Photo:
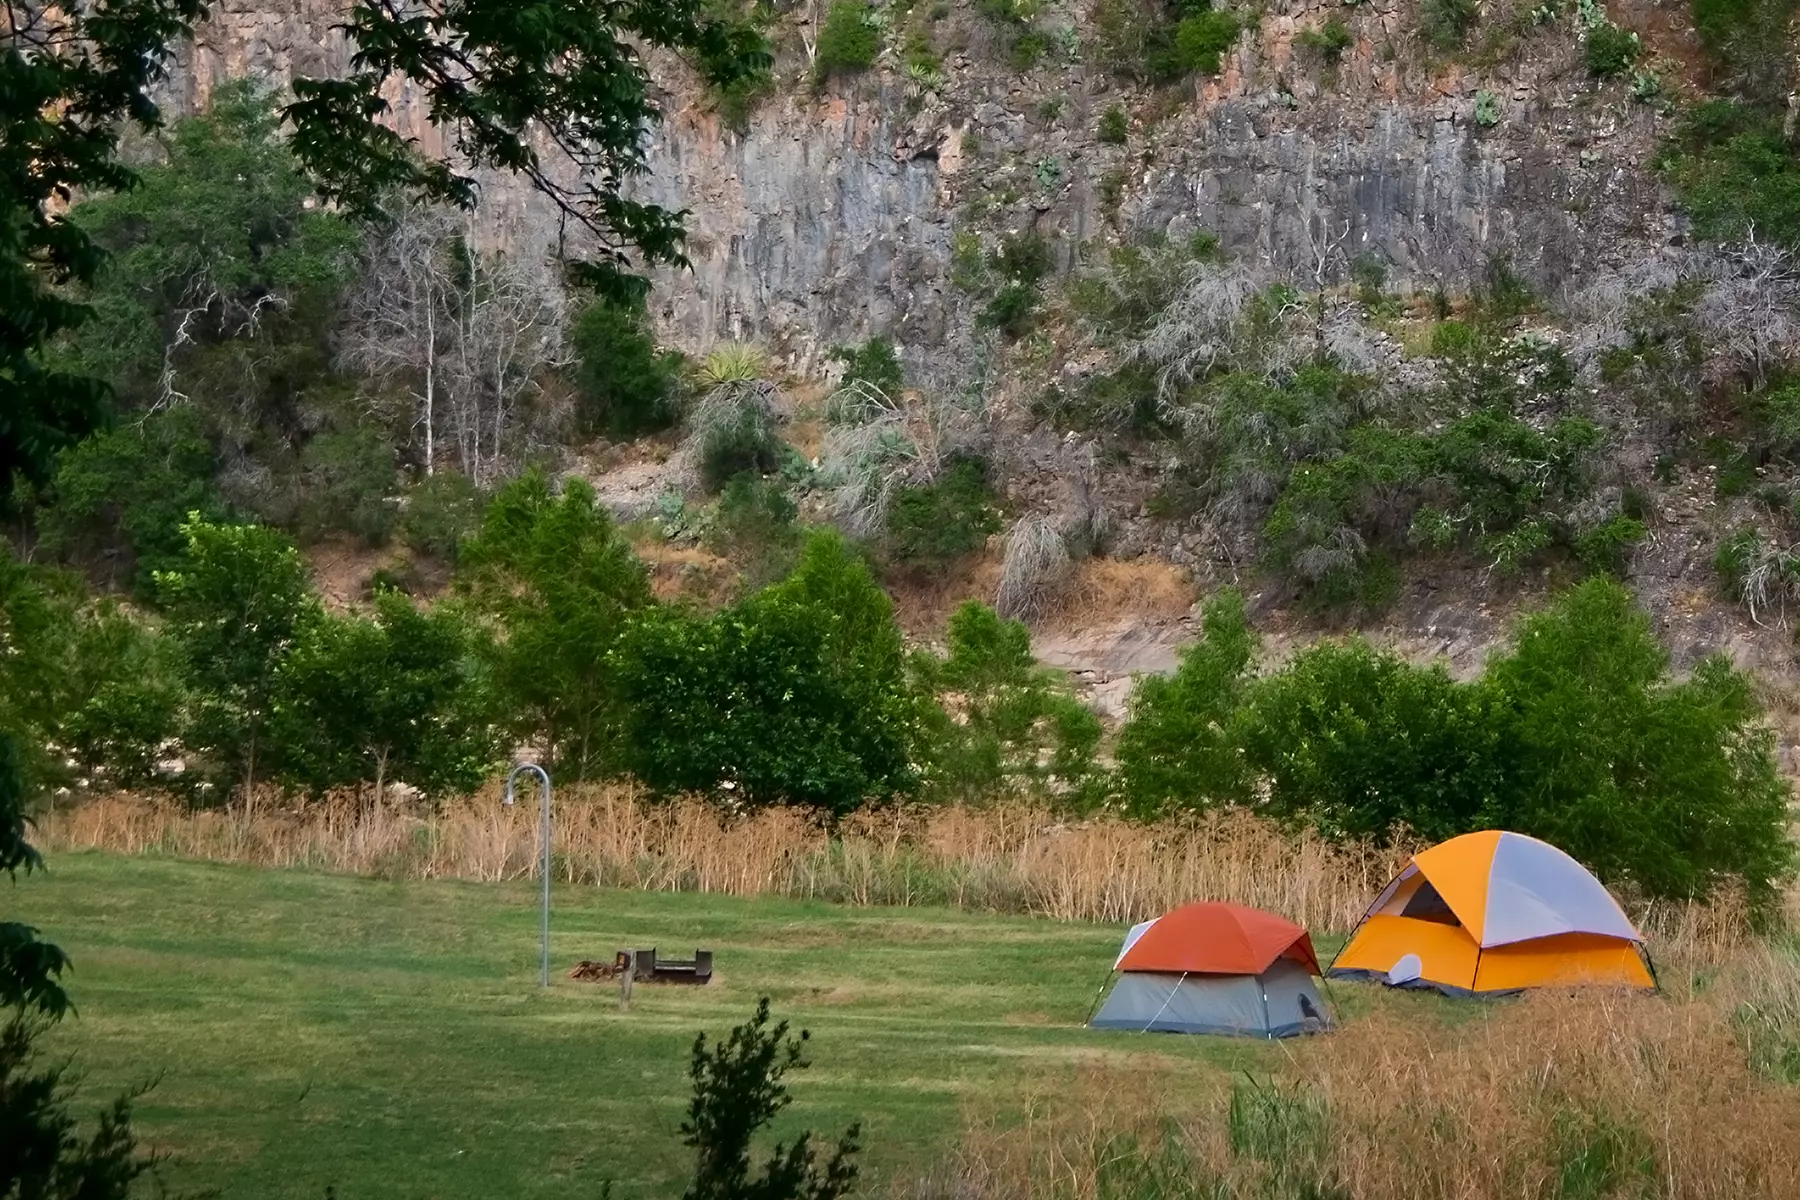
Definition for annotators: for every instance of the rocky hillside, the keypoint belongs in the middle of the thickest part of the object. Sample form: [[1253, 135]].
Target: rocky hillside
[[1398, 175]]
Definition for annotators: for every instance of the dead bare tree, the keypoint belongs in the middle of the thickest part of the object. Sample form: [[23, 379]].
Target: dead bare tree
[[399, 327], [469, 334]]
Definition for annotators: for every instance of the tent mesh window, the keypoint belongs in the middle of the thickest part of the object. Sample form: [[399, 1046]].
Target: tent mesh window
[[1427, 905]]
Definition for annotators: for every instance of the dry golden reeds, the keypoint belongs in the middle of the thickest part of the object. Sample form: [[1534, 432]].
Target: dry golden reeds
[[1008, 858], [1555, 1096]]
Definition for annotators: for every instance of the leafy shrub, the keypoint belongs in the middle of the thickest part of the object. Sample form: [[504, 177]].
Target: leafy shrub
[[1011, 310], [739, 1089], [1734, 172], [441, 510], [1180, 747], [755, 526], [1487, 109], [1610, 49], [952, 515], [1023, 258], [1672, 786], [1029, 46], [626, 387], [795, 695], [396, 695], [874, 363], [1328, 41], [1445, 24], [1115, 126], [122, 495], [348, 486], [1017, 729], [1604, 547], [1197, 43], [1358, 744], [848, 42], [1742, 38]]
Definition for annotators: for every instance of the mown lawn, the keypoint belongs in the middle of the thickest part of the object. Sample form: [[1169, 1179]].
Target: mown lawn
[[390, 1039]]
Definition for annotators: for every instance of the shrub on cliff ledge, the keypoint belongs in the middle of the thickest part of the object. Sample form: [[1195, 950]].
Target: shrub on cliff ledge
[[848, 43]]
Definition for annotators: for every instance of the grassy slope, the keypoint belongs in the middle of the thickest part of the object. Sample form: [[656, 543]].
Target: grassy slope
[[390, 1038]]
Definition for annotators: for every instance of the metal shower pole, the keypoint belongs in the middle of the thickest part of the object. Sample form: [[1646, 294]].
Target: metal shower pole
[[543, 836]]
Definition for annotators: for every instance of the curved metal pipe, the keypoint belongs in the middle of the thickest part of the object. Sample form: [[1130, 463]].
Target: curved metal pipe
[[544, 837]]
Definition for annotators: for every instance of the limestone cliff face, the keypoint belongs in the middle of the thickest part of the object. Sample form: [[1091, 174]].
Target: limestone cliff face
[[831, 219]]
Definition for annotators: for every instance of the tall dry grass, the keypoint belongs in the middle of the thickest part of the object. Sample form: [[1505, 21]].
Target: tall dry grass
[[1557, 1096], [1006, 859]]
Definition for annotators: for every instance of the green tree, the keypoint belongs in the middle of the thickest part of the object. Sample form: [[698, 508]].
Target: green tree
[[235, 606], [398, 694], [1671, 786], [1358, 743], [220, 280], [561, 583], [739, 1088], [1014, 726], [628, 387], [1179, 746], [499, 82], [796, 695], [118, 499]]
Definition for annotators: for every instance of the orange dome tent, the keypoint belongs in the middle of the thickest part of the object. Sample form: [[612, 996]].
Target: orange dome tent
[[1494, 912], [1215, 968]]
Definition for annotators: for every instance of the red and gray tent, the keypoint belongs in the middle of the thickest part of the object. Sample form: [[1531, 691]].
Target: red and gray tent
[[1215, 968]]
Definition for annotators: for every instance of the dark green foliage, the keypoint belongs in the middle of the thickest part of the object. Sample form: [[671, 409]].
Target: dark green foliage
[[221, 281], [1605, 547], [755, 527], [1328, 41], [873, 363], [1115, 126], [952, 515], [848, 43], [1357, 743], [738, 437], [1750, 44], [1180, 749], [396, 695], [1011, 310], [1197, 43], [1610, 49], [1578, 735], [1598, 1157], [235, 605], [1023, 258], [44, 1155], [1670, 785], [1028, 48], [349, 485], [1735, 170], [1139, 282], [1445, 24], [117, 500], [561, 583], [441, 510], [796, 695], [30, 969], [74, 84], [1017, 729], [739, 1089], [627, 386]]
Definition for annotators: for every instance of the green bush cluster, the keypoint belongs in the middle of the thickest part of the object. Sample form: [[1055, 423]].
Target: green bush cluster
[[626, 386], [1579, 734], [1115, 126], [1328, 41], [1195, 44], [1020, 262], [950, 516], [1610, 50], [848, 42], [1445, 24], [1734, 171], [873, 363]]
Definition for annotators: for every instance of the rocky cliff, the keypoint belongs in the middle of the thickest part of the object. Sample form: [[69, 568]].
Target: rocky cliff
[[830, 217]]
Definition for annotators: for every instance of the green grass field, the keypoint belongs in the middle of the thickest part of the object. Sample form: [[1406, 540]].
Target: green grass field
[[390, 1039]]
